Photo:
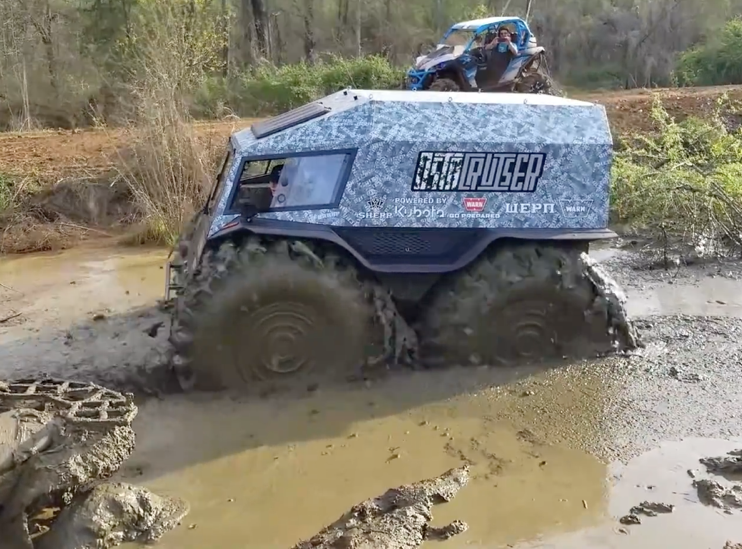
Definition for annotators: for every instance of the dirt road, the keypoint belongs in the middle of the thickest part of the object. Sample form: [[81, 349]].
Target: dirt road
[[557, 456], [58, 154]]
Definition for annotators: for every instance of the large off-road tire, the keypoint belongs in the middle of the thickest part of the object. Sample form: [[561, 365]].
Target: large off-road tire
[[445, 85], [517, 303], [270, 314], [537, 79]]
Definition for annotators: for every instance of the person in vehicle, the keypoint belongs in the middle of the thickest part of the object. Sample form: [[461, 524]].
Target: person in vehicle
[[503, 42]]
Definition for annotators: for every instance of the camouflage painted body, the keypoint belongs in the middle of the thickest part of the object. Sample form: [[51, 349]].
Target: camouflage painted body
[[392, 136]]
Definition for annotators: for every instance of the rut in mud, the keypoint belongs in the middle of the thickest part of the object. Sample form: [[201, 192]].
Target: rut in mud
[[58, 441], [397, 519]]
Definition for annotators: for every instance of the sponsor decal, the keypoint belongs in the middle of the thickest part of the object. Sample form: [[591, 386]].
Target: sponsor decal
[[281, 198], [530, 209], [478, 172], [376, 203], [576, 208], [474, 204]]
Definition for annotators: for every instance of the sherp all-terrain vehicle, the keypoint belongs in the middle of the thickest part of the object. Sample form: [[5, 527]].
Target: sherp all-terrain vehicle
[[464, 60], [383, 228]]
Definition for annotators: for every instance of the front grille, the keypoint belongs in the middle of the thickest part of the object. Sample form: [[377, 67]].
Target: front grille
[[421, 244]]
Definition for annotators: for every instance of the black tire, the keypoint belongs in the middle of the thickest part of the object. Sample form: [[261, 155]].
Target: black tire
[[246, 302], [518, 303], [445, 85], [536, 79]]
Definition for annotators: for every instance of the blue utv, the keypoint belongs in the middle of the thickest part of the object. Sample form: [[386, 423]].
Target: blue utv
[[471, 57]]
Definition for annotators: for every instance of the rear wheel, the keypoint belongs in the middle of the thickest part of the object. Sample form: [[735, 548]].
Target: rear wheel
[[259, 314], [445, 85], [536, 78], [519, 303]]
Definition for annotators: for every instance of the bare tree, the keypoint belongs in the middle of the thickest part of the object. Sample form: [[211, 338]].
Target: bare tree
[[261, 21], [309, 41]]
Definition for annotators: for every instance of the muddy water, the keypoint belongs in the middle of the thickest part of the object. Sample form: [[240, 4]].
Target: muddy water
[[270, 472], [660, 476], [67, 287]]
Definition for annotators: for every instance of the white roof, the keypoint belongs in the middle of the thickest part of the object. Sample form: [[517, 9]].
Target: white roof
[[476, 23], [464, 97]]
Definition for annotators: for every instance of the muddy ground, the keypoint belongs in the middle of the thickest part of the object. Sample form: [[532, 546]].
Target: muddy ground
[[556, 456]]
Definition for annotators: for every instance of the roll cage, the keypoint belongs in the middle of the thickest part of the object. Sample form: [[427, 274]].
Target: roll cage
[[522, 31]]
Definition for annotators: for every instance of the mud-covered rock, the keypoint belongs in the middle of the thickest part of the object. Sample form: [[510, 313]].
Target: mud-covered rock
[[731, 464], [398, 519], [714, 494], [112, 514], [652, 509], [730, 545], [58, 441]]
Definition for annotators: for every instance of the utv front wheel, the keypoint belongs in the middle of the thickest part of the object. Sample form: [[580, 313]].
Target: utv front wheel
[[445, 85], [258, 316]]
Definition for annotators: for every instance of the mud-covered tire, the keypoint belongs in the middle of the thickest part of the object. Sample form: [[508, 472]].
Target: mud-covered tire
[[520, 302], [260, 314], [444, 85]]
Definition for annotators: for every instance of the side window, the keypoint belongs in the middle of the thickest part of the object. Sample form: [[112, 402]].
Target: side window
[[221, 178], [298, 182]]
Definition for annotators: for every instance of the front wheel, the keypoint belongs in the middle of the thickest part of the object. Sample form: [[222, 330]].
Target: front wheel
[[256, 315], [445, 85]]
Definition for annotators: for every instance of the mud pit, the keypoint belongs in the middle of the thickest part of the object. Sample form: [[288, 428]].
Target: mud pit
[[537, 442]]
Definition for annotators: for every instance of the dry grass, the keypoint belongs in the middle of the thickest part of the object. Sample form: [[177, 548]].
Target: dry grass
[[169, 170]]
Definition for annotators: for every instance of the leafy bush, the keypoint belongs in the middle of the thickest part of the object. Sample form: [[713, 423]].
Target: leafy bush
[[686, 180], [717, 62], [268, 89]]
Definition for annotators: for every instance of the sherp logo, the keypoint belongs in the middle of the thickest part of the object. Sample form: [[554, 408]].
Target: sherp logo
[[576, 208]]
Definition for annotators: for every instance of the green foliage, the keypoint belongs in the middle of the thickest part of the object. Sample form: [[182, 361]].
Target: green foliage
[[717, 62], [6, 193], [269, 89], [687, 179]]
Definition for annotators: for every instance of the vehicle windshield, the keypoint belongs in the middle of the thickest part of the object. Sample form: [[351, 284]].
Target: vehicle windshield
[[459, 37]]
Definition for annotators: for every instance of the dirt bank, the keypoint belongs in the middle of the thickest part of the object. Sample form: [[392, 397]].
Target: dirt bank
[[59, 154]]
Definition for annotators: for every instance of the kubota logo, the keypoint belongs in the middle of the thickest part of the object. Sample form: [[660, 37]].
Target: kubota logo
[[475, 204]]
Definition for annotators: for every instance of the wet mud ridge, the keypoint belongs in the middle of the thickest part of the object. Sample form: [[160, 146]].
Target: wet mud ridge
[[59, 442], [398, 519]]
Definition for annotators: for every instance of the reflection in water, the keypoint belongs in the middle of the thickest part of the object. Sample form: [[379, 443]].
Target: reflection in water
[[268, 473], [660, 476]]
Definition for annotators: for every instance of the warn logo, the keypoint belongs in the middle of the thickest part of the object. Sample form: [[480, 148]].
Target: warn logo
[[474, 204], [576, 208]]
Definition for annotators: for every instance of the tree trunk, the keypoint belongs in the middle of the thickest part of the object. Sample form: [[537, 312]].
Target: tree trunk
[[359, 23], [224, 30], [309, 41], [247, 39], [260, 18]]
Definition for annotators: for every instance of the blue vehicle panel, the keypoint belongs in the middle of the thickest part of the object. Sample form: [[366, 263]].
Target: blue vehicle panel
[[426, 160]]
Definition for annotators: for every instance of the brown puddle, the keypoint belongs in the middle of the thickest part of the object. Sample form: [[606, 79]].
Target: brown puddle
[[63, 288], [269, 473], [660, 476]]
